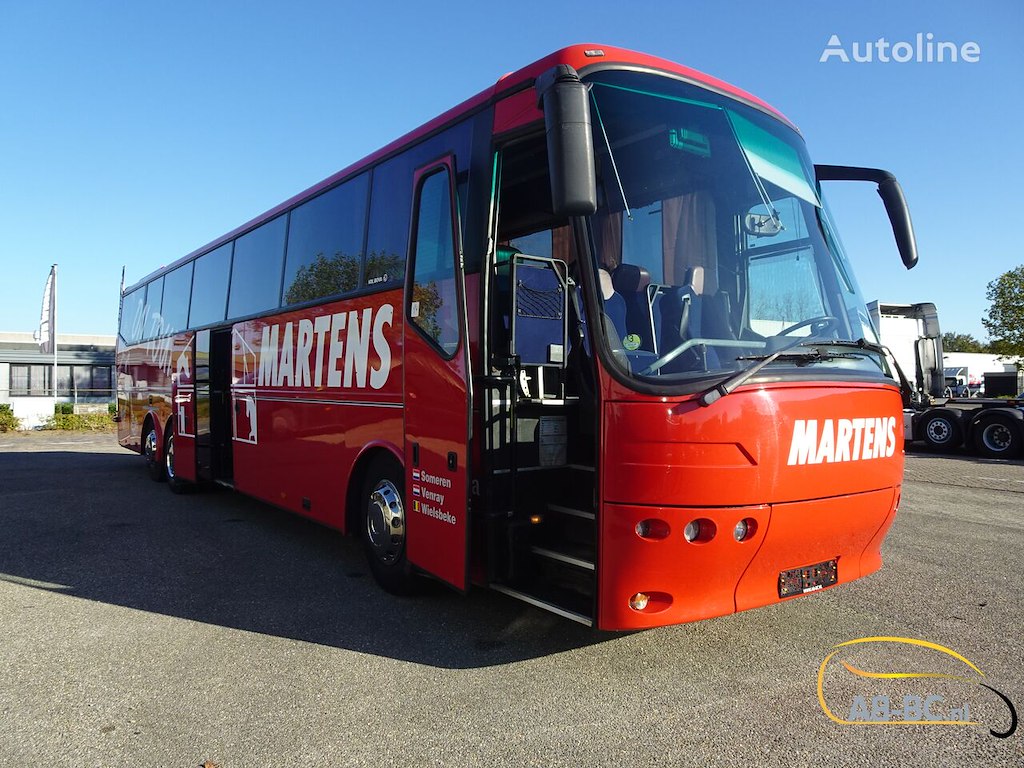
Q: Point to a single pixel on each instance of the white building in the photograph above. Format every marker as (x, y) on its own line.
(84, 374)
(969, 368)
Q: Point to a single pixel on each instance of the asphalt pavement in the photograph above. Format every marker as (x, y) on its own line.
(142, 628)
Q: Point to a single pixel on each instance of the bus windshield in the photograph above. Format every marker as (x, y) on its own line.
(712, 244)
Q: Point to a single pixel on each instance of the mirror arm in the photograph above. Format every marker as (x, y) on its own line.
(892, 197)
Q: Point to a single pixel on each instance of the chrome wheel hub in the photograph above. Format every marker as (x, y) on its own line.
(385, 522)
(169, 457)
(150, 446)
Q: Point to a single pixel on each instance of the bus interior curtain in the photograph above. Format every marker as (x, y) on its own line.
(688, 238)
(609, 240)
(561, 244)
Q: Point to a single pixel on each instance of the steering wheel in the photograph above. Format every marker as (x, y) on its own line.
(818, 325)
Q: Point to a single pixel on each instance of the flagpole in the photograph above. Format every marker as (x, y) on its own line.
(53, 328)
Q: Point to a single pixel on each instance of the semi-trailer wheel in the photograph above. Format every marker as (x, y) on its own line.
(941, 430)
(998, 437)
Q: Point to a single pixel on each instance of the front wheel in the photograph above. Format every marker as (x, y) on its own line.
(383, 527)
(998, 437)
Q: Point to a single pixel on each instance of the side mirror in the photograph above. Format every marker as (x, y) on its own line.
(570, 141)
(892, 196)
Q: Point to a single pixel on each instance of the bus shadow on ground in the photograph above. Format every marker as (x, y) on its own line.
(95, 524)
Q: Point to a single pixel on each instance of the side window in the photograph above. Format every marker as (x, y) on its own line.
(177, 287)
(387, 238)
(433, 305)
(19, 380)
(101, 380)
(325, 243)
(210, 287)
(154, 320)
(133, 315)
(256, 269)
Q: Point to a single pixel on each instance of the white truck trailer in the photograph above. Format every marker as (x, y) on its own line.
(987, 426)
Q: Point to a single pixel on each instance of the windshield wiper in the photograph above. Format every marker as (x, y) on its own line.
(719, 391)
(802, 358)
(859, 344)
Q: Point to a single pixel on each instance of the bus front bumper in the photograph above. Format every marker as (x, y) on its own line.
(652, 574)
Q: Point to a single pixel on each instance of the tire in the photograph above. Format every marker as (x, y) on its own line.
(998, 437)
(941, 431)
(382, 520)
(175, 483)
(154, 464)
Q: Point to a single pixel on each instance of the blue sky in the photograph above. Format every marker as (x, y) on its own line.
(133, 133)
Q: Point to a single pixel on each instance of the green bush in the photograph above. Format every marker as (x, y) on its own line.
(112, 409)
(91, 422)
(63, 408)
(8, 421)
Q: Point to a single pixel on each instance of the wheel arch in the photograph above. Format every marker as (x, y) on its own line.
(357, 478)
(152, 421)
(987, 414)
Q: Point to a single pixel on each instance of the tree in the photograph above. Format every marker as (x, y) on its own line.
(961, 342)
(323, 277)
(1005, 321)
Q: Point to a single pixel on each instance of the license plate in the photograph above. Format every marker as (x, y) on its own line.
(808, 579)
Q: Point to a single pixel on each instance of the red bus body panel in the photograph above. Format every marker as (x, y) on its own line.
(311, 389)
(675, 461)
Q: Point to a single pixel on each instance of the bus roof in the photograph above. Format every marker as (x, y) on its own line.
(582, 57)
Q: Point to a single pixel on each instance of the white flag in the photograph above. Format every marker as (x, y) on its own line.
(48, 317)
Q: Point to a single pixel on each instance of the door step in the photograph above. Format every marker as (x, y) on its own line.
(544, 605)
(580, 513)
(562, 557)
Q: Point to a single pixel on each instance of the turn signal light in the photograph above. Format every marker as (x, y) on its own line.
(652, 528)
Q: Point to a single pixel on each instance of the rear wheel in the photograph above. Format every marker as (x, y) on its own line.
(175, 483)
(998, 437)
(383, 527)
(154, 465)
(941, 430)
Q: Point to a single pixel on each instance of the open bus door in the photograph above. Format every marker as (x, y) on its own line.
(437, 390)
(182, 441)
(201, 397)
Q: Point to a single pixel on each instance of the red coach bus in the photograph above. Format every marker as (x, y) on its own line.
(588, 339)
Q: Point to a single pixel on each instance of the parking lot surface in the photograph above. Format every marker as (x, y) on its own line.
(142, 628)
